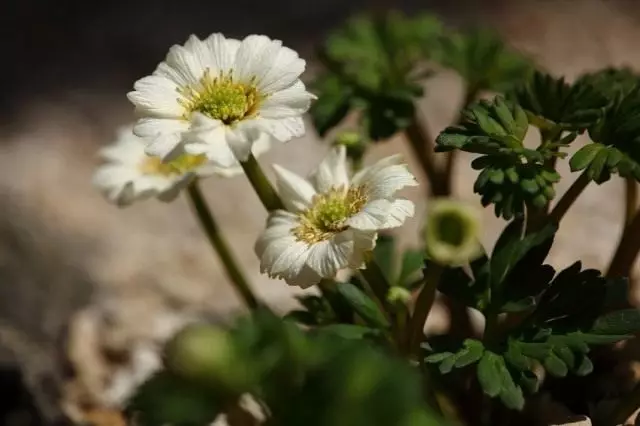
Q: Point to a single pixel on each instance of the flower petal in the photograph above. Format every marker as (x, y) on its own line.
(283, 129)
(223, 52)
(156, 95)
(385, 182)
(364, 174)
(332, 171)
(373, 216)
(290, 102)
(401, 209)
(296, 192)
(186, 63)
(267, 63)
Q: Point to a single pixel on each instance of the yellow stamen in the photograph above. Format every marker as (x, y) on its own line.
(328, 212)
(221, 98)
(184, 163)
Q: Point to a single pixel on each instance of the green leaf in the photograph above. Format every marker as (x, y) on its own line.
(553, 104)
(512, 176)
(167, 399)
(484, 61)
(350, 331)
(333, 102)
(363, 305)
(490, 373)
(384, 253)
(584, 156)
(411, 266)
(622, 322)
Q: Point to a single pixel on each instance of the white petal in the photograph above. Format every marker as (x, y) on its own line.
(167, 147)
(282, 217)
(158, 96)
(223, 51)
(329, 256)
(332, 171)
(279, 225)
(305, 278)
(283, 129)
(373, 216)
(290, 102)
(296, 192)
(241, 139)
(364, 174)
(385, 182)
(186, 64)
(401, 209)
(174, 190)
(363, 243)
(152, 127)
(265, 61)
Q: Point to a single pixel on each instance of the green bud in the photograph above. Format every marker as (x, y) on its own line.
(354, 142)
(452, 232)
(398, 296)
(207, 354)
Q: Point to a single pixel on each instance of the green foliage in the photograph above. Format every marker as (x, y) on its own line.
(511, 175)
(315, 378)
(563, 315)
(484, 61)
(363, 305)
(169, 399)
(553, 105)
(373, 66)
(616, 138)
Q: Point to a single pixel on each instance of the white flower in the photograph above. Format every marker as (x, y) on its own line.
(331, 223)
(129, 174)
(214, 97)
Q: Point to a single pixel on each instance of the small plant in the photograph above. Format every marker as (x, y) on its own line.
(356, 353)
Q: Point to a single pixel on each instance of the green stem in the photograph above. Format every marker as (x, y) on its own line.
(490, 327)
(625, 408)
(569, 198)
(261, 184)
(421, 143)
(221, 247)
(627, 250)
(424, 303)
(631, 199)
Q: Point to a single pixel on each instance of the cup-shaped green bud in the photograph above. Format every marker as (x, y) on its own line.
(452, 232)
(207, 354)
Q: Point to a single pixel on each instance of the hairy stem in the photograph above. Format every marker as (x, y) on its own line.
(261, 184)
(569, 197)
(221, 247)
(627, 250)
(423, 306)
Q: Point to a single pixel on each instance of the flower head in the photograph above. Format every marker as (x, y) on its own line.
(129, 174)
(331, 222)
(452, 232)
(216, 96)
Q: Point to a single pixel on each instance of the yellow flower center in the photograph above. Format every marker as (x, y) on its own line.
(221, 98)
(328, 212)
(153, 165)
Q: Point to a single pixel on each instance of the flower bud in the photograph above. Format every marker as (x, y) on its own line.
(354, 142)
(207, 354)
(398, 296)
(452, 232)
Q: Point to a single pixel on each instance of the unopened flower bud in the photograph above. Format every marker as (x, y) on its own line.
(452, 232)
(398, 296)
(354, 142)
(207, 354)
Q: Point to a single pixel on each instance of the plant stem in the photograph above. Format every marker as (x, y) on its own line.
(627, 250)
(421, 143)
(631, 199)
(423, 306)
(625, 408)
(569, 198)
(261, 184)
(221, 247)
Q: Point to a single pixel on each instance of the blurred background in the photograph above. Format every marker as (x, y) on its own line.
(88, 292)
